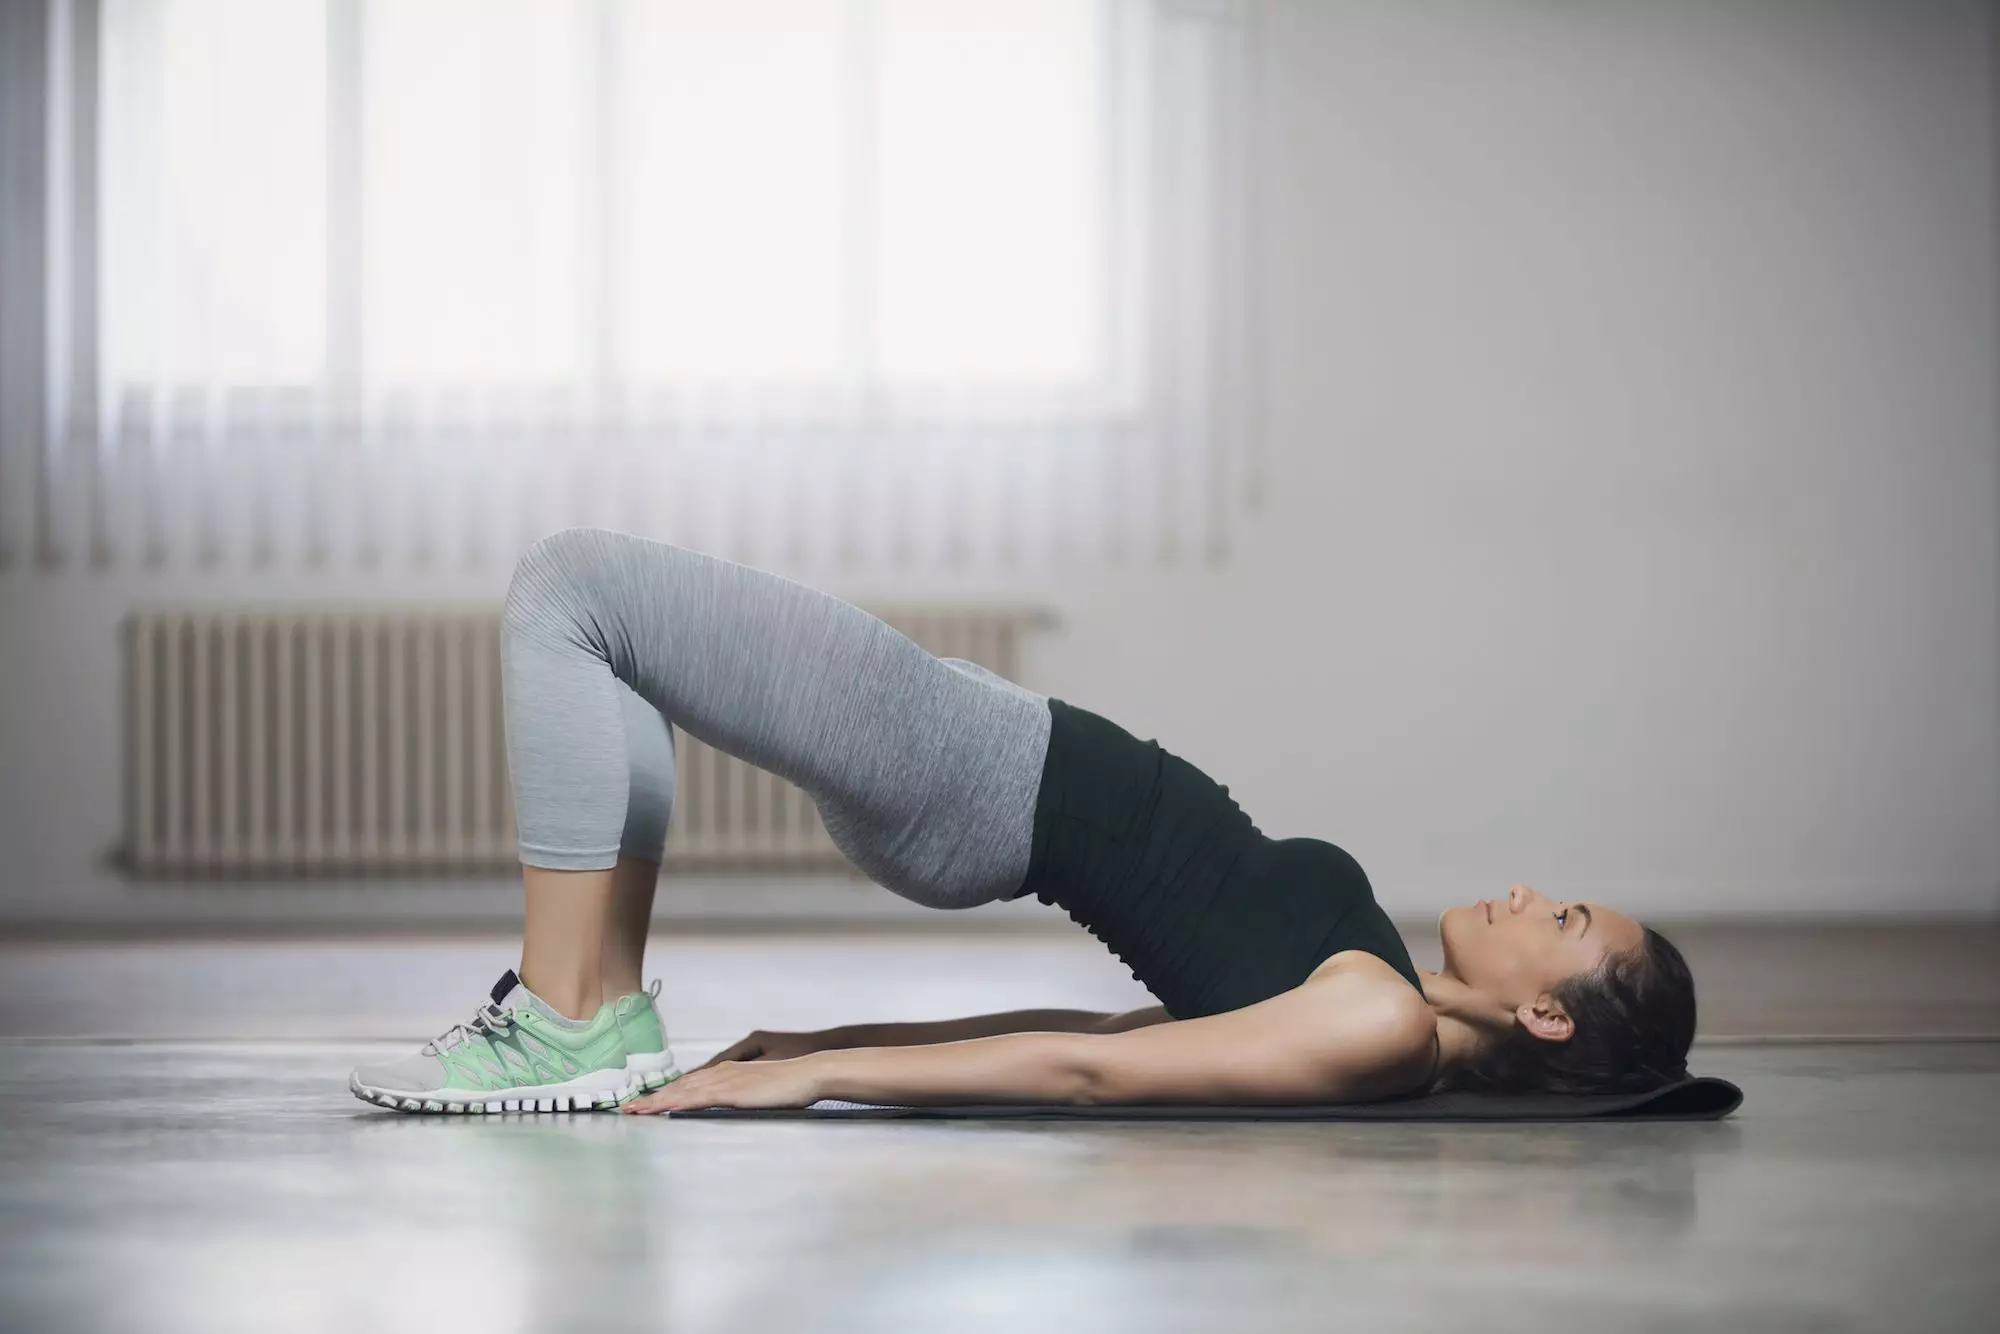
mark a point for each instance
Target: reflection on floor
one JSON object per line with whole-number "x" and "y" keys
{"x": 225, "y": 1185}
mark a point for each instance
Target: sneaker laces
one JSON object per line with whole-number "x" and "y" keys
{"x": 489, "y": 1019}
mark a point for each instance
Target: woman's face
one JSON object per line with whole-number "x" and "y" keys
{"x": 1518, "y": 948}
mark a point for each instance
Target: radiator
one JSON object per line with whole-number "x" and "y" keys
{"x": 343, "y": 743}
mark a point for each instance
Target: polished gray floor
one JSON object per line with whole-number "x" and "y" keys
{"x": 157, "y": 1184}
{"x": 238, "y": 1187}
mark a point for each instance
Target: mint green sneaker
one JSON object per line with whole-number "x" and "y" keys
{"x": 518, "y": 1054}
{"x": 649, "y": 1064}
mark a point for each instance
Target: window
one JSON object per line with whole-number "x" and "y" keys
{"x": 797, "y": 195}
{"x": 334, "y": 279}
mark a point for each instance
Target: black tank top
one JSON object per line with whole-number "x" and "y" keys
{"x": 1155, "y": 859}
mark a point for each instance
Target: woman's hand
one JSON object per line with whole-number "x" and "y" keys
{"x": 763, "y": 1046}
{"x": 793, "y": 1082}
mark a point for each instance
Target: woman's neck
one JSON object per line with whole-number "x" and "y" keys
{"x": 1455, "y": 1007}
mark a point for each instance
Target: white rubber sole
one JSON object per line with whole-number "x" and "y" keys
{"x": 652, "y": 1071}
{"x": 598, "y": 1091}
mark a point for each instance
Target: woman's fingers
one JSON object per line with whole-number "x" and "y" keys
{"x": 697, "y": 1088}
{"x": 659, "y": 1101}
{"x": 647, "y": 1105}
{"x": 738, "y": 1084}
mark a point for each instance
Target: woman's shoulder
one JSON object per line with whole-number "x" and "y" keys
{"x": 1384, "y": 1024}
{"x": 1365, "y": 978}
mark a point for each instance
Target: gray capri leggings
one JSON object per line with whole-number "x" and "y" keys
{"x": 925, "y": 770}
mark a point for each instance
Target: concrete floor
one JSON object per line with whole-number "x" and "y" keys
{"x": 159, "y": 1184}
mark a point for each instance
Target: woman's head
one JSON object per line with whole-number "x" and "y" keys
{"x": 1577, "y": 997}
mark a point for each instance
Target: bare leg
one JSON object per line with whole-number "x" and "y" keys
{"x": 632, "y": 884}
{"x": 562, "y": 945}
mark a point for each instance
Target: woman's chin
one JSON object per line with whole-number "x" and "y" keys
{"x": 1452, "y": 922}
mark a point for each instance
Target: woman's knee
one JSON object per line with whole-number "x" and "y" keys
{"x": 551, "y": 580}
{"x": 551, "y": 561}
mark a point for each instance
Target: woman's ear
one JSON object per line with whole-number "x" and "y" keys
{"x": 1546, "y": 1019}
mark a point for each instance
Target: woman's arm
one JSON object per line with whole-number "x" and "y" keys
{"x": 991, "y": 1025}
{"x": 1335, "y": 1038}
{"x": 766, "y": 1046}
{"x": 1344, "y": 1035}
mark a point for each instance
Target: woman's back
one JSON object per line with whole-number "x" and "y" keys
{"x": 1154, "y": 857}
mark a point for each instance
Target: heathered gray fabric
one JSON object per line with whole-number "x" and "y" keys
{"x": 924, "y": 770}
{"x": 649, "y": 756}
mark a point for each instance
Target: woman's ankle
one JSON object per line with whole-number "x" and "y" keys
{"x": 615, "y": 987}
{"x": 571, "y": 996}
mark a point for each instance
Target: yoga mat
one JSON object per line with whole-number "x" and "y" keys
{"x": 1702, "y": 1098}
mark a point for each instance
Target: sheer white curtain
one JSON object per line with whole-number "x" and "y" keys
{"x": 802, "y": 282}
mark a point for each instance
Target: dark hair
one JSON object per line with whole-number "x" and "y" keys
{"x": 1634, "y": 1018}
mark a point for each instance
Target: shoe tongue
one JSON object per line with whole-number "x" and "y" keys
{"x": 509, "y": 982}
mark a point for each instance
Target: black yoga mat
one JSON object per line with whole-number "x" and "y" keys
{"x": 1702, "y": 1098}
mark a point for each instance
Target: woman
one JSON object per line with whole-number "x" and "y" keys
{"x": 1281, "y": 980}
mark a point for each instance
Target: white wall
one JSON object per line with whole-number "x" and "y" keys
{"x": 1635, "y": 461}
{"x": 1635, "y": 368}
